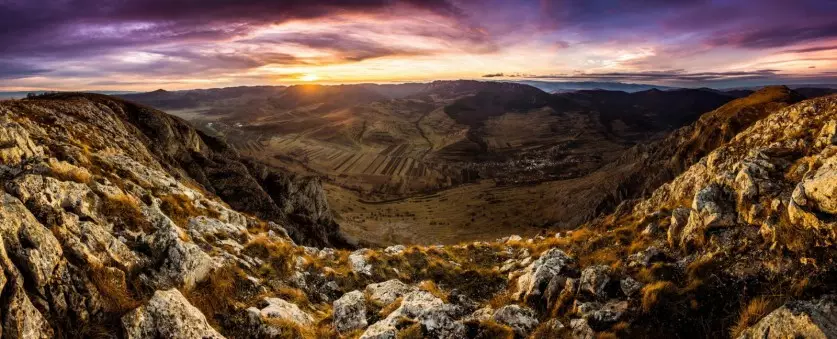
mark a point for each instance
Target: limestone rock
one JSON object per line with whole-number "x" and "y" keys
{"x": 522, "y": 320}
{"x": 167, "y": 315}
{"x": 350, "y": 312}
{"x": 386, "y": 292}
{"x": 539, "y": 273}
{"x": 594, "y": 280}
{"x": 798, "y": 319}
{"x": 359, "y": 263}
{"x": 679, "y": 219}
{"x": 280, "y": 309}
{"x": 630, "y": 287}
{"x": 413, "y": 305}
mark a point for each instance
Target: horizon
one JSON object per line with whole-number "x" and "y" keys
{"x": 143, "y": 45}
{"x": 524, "y": 82}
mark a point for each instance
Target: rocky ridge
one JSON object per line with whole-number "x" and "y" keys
{"x": 111, "y": 230}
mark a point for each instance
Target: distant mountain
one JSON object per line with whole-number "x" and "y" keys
{"x": 23, "y": 94}
{"x": 558, "y": 87}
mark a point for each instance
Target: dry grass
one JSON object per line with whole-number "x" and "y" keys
{"x": 413, "y": 332}
{"x": 215, "y": 294}
{"x": 430, "y": 286}
{"x": 278, "y": 256}
{"x": 501, "y": 299}
{"x": 492, "y": 329}
{"x": 756, "y": 309}
{"x": 546, "y": 331}
{"x": 124, "y": 212}
{"x": 293, "y": 295}
{"x": 67, "y": 172}
{"x": 291, "y": 330}
{"x": 655, "y": 293}
{"x": 113, "y": 288}
{"x": 384, "y": 312}
{"x": 179, "y": 208}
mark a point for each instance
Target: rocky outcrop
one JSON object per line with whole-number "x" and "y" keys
{"x": 798, "y": 319}
{"x": 167, "y": 315}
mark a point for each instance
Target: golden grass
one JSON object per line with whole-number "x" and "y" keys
{"x": 430, "y": 286}
{"x": 217, "y": 293}
{"x": 501, "y": 299}
{"x": 413, "y": 332}
{"x": 278, "y": 256}
{"x": 492, "y": 329}
{"x": 67, "y": 172}
{"x": 756, "y": 309}
{"x": 124, "y": 211}
{"x": 293, "y": 295}
{"x": 179, "y": 208}
{"x": 113, "y": 288}
{"x": 384, "y": 312}
{"x": 655, "y": 293}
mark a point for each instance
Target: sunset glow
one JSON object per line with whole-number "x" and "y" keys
{"x": 143, "y": 45}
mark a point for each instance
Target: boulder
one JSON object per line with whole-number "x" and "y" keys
{"x": 798, "y": 319}
{"x": 17, "y": 146}
{"x": 350, "y": 312}
{"x": 711, "y": 208}
{"x": 521, "y": 319}
{"x": 440, "y": 322}
{"x": 167, "y": 315}
{"x": 594, "y": 280}
{"x": 386, "y": 292}
{"x": 414, "y": 304}
{"x": 602, "y": 315}
{"x": 679, "y": 219}
{"x": 821, "y": 189}
{"x": 278, "y": 308}
{"x": 359, "y": 264}
{"x": 630, "y": 287}
{"x": 643, "y": 258}
{"x": 536, "y": 277}
{"x": 581, "y": 330}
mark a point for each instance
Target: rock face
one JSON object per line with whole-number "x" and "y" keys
{"x": 167, "y": 315}
{"x": 798, "y": 319}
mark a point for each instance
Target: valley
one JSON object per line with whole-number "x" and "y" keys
{"x": 447, "y": 162}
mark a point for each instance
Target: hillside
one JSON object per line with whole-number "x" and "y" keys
{"x": 121, "y": 221}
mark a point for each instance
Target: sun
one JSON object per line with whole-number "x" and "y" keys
{"x": 309, "y": 77}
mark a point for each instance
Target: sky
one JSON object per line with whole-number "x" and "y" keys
{"x": 178, "y": 44}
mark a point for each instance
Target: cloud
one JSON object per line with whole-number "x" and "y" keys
{"x": 18, "y": 70}
{"x": 811, "y": 49}
{"x": 493, "y": 75}
{"x": 668, "y": 75}
{"x": 775, "y": 36}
